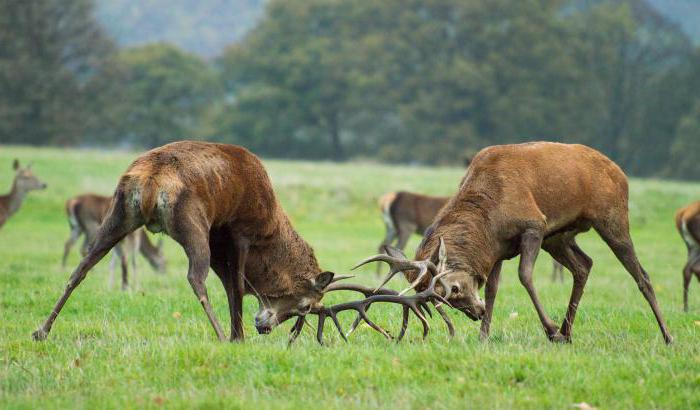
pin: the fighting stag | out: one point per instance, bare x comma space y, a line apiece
514, 200
217, 202
24, 181
688, 224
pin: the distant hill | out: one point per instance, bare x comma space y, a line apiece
684, 12
203, 27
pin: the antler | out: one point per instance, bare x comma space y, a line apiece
400, 265
417, 303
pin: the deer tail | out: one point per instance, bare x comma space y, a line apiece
149, 195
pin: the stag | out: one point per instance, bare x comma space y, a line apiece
688, 224
25, 181
85, 214
516, 199
217, 202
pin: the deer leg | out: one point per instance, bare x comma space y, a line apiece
194, 239
404, 232
617, 237
530, 243
119, 251
557, 271
74, 235
238, 292
388, 240
687, 276
112, 231
569, 255
490, 293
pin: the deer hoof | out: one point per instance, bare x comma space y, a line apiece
559, 338
40, 335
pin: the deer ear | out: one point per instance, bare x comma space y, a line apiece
442, 255
15, 164
322, 280
394, 252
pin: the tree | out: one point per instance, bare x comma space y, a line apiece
49, 49
685, 163
152, 95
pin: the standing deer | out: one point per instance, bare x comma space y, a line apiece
25, 181
688, 224
516, 199
217, 202
85, 214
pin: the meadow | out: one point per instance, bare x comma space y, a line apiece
152, 346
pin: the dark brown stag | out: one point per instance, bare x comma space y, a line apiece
516, 199
85, 214
24, 181
217, 202
688, 224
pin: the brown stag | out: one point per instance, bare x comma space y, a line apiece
688, 224
516, 199
85, 214
25, 181
217, 202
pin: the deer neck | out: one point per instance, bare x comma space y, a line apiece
13, 200
472, 245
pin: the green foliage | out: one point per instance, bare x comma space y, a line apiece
428, 80
688, 141
48, 50
152, 346
153, 95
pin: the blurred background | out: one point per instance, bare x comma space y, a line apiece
429, 81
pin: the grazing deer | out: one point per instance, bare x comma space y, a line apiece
405, 213
25, 181
688, 224
217, 202
516, 199
85, 214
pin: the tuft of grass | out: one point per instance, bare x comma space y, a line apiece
153, 347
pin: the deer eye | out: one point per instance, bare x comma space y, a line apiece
455, 289
306, 308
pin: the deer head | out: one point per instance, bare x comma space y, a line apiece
459, 288
25, 180
275, 310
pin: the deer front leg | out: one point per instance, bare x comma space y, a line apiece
490, 293
530, 243
236, 307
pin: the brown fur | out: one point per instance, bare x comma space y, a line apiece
217, 201
515, 199
688, 224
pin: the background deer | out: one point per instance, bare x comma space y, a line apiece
24, 181
85, 214
406, 213
217, 202
516, 199
688, 224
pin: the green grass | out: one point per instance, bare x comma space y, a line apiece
153, 346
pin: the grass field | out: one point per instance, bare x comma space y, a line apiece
152, 346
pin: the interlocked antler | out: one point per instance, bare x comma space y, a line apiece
418, 304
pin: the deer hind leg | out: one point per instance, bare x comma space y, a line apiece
530, 243
114, 228
389, 239
692, 266
120, 253
405, 230
194, 239
557, 271
75, 232
616, 234
490, 293
565, 251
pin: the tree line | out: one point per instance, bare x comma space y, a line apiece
426, 81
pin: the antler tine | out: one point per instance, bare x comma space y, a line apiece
443, 314
421, 274
295, 331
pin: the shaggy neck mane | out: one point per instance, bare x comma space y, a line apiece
464, 225
282, 263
